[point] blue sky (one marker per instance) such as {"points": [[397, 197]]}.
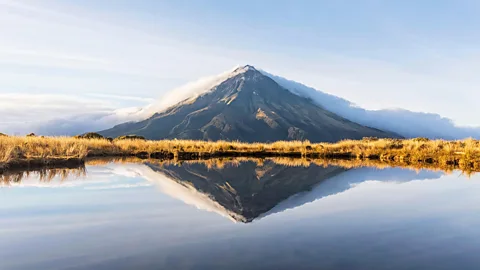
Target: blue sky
{"points": [[61, 58]]}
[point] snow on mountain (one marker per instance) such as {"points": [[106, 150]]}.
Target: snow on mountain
{"points": [[187, 92]]}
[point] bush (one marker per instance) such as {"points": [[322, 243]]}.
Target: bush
{"points": [[130, 137], [395, 144], [421, 139], [3, 135], [31, 135], [90, 135]]}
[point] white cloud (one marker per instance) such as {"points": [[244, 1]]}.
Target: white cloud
{"points": [[59, 114], [403, 122], [34, 107], [119, 97]]}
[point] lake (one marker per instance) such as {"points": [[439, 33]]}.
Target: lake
{"points": [[240, 215]]}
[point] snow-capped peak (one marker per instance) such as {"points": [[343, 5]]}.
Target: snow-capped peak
{"points": [[243, 69], [189, 92]]}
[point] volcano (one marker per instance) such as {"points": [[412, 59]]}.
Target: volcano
{"points": [[251, 107]]}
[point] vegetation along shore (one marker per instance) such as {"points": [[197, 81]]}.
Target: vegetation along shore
{"points": [[31, 151]]}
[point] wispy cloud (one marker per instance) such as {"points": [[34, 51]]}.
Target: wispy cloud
{"points": [[41, 107], [119, 97]]}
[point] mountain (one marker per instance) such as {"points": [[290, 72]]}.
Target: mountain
{"points": [[406, 123], [247, 106]]}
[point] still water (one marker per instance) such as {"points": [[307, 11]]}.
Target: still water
{"points": [[241, 216]]}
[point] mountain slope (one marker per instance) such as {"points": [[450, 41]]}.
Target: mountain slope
{"points": [[247, 106]]}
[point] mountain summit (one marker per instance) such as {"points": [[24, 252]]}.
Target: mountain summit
{"points": [[247, 106]]}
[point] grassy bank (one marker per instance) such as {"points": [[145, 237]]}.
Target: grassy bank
{"points": [[39, 151]]}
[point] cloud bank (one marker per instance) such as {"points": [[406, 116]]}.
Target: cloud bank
{"points": [[50, 114], [404, 122]]}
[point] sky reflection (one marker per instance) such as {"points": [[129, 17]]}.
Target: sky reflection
{"points": [[119, 216]]}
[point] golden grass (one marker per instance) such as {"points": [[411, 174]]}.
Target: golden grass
{"points": [[464, 153]]}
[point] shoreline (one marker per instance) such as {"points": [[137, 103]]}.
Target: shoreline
{"points": [[288, 159], [44, 152]]}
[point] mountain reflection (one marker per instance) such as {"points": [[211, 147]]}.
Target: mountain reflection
{"points": [[247, 191], [242, 190]]}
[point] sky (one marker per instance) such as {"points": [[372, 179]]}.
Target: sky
{"points": [[64, 58]]}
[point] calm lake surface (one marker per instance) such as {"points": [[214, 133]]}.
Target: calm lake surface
{"points": [[243, 216]]}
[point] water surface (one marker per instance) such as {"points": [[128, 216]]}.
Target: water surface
{"points": [[241, 216]]}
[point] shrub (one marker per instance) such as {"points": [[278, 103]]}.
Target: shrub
{"points": [[3, 135], [90, 135], [421, 139], [31, 135], [394, 145], [131, 137]]}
